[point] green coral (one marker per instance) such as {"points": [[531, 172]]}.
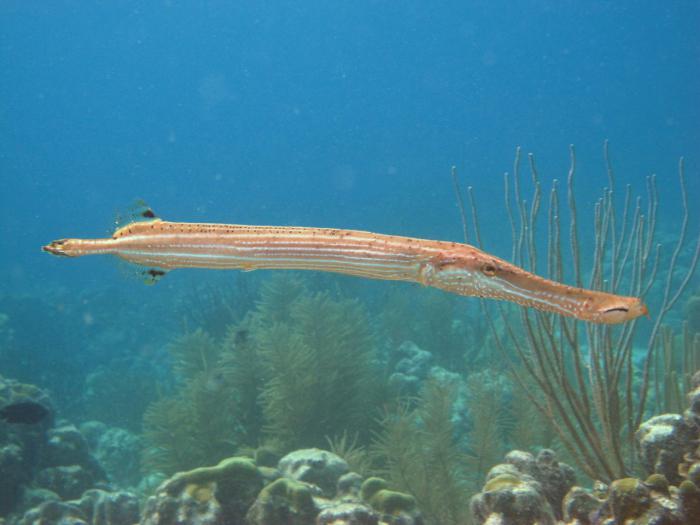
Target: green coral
{"points": [[284, 501], [278, 296], [297, 369], [194, 353], [320, 377], [197, 425], [237, 470], [371, 486], [629, 499], [392, 502], [490, 424], [376, 492], [413, 441], [689, 496], [658, 483], [234, 482]]}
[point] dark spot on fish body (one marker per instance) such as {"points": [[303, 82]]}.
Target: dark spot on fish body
{"points": [[148, 214]]}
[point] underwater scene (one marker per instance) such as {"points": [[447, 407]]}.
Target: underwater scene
{"points": [[349, 263]]}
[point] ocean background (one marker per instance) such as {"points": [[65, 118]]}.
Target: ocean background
{"points": [[338, 114]]}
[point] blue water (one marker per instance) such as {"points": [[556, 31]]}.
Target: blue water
{"points": [[322, 113], [317, 113]]}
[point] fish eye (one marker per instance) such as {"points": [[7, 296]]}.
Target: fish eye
{"points": [[489, 269]]}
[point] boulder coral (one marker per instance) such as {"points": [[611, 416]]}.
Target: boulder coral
{"points": [[94, 507], [205, 495], [527, 490], [524, 489], [237, 491], [315, 466]]}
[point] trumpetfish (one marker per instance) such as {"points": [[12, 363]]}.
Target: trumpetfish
{"points": [[454, 267]]}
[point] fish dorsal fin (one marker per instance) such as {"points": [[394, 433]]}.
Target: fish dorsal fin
{"points": [[139, 211]]}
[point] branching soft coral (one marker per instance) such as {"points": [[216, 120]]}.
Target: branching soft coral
{"points": [[198, 425], [297, 369], [419, 440], [320, 376]]}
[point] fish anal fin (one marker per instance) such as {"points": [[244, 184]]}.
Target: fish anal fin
{"points": [[152, 275]]}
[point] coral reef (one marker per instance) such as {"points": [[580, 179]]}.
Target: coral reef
{"points": [[411, 369], [238, 491], [308, 360], [197, 425], [528, 490], [283, 501], [315, 466], [21, 446], [206, 495], [663, 442], [48, 473], [117, 451], [95, 507], [419, 440], [524, 489], [236, 393]]}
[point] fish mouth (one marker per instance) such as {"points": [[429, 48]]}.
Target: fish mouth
{"points": [[56, 248], [620, 313]]}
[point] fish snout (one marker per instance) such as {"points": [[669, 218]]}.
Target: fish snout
{"points": [[57, 248]]}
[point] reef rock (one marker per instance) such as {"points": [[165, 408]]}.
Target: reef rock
{"points": [[348, 514], [523, 490], [118, 452], [632, 501], [284, 502], [348, 486], [393, 507], [14, 476], [69, 482], [663, 441], [411, 369], [219, 495], [95, 507], [314, 466], [92, 432], [21, 446], [556, 479], [66, 446]]}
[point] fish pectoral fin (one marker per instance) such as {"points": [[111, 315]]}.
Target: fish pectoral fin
{"points": [[152, 275]]}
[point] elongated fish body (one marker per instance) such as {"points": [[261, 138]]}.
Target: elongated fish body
{"points": [[450, 266]]}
